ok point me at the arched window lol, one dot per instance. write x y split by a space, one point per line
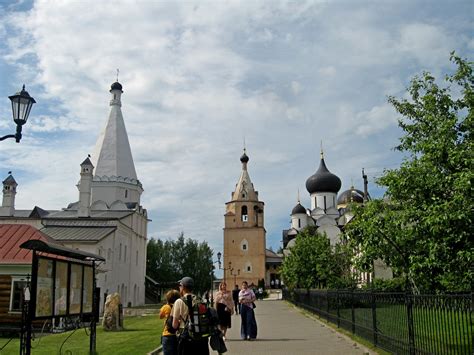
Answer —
244 245
245 214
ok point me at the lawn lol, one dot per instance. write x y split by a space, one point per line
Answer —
141 335
437 331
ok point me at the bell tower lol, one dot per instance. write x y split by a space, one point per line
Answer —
244 232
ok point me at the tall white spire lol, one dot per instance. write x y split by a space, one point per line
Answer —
112 155
115 178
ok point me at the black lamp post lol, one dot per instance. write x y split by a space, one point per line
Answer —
21 107
219 255
235 275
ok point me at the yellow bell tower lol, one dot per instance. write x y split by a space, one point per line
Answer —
244 233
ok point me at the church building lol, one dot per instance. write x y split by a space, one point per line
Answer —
107 220
330 213
245 255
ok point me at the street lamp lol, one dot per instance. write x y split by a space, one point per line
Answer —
235 275
212 276
21 107
219 255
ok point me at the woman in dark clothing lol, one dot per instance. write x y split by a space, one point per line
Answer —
225 307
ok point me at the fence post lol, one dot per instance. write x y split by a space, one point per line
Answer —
353 312
327 305
374 316
337 309
411 332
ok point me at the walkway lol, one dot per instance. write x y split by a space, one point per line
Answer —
284 330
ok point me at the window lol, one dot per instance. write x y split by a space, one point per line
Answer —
299 223
136 258
126 193
120 252
125 254
249 268
16 300
325 203
244 245
245 214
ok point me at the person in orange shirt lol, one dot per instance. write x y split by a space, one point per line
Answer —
169 342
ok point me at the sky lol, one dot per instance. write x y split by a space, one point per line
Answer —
199 78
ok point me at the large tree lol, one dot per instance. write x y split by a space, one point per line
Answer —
423 227
170 260
314 263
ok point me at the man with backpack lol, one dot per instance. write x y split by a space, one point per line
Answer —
191 316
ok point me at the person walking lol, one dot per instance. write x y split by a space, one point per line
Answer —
169 342
180 313
235 297
225 308
248 329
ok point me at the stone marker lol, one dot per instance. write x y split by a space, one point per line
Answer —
111 320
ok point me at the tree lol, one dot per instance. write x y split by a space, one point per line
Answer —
424 226
168 261
314 263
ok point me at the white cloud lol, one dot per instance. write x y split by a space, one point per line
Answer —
198 77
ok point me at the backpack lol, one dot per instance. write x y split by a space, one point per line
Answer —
200 323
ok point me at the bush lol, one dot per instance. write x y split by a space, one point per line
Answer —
396 284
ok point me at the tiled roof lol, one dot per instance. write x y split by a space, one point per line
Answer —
79 222
85 234
273 258
12 236
36 213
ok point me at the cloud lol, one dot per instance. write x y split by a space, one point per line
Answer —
198 77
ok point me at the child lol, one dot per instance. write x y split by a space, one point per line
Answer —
169 341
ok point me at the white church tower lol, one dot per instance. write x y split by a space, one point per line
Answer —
9 192
115 179
85 189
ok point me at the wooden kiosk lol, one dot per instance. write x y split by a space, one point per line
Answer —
62 285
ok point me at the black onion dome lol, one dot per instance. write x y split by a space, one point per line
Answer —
116 86
351 195
323 180
298 209
244 158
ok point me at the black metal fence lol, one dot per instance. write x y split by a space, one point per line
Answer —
397 322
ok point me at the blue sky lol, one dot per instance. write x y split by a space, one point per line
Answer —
200 76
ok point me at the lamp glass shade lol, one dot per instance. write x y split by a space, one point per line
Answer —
21 106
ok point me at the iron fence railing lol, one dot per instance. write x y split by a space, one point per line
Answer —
398 322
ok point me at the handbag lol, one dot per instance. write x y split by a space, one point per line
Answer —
217 343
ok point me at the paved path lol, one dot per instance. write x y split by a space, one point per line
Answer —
285 330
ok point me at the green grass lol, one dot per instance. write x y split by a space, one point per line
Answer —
356 338
140 336
431 326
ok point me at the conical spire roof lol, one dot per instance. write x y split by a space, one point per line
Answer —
113 156
244 189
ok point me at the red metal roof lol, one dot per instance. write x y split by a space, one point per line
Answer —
12 236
